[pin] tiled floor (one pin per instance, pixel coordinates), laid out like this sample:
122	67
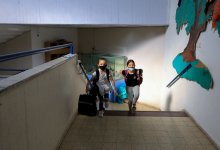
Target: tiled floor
135	133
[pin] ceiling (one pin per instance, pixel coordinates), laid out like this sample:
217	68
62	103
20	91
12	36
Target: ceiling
8	32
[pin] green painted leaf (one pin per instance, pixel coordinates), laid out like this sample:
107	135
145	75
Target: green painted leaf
200	75
185	14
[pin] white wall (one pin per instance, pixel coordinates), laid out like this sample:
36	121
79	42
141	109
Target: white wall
39	35
38	105
20	43
95	12
144	45
202	104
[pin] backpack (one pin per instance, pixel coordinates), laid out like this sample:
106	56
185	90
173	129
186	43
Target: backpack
97	75
137	73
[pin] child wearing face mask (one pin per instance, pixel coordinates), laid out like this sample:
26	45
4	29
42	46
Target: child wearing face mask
133	79
102	78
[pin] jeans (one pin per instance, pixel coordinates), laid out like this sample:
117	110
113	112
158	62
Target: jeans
133	95
101	98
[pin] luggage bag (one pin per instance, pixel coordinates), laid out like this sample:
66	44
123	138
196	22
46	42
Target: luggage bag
87	105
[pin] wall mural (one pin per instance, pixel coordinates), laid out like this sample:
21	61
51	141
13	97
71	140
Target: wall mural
195	15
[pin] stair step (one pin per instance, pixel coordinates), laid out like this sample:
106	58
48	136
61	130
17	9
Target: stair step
147	113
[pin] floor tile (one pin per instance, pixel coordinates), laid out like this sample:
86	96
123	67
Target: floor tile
124	146
137	139
164	140
110	139
94	146
150	140
123	139
153	147
109	146
204	141
96	139
135	133
209	147
166	147
177	140
180	147
138	146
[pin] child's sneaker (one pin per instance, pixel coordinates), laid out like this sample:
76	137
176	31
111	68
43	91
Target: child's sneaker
101	113
134	107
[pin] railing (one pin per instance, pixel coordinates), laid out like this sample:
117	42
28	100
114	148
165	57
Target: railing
8	57
12	56
13	70
179	75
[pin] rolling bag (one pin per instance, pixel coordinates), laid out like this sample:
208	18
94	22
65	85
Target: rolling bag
87	105
87	102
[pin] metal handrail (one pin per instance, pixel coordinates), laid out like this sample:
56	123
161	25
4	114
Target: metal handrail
33	52
16	70
179	75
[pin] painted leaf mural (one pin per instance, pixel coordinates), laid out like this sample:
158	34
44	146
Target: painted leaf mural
197	73
183	18
194	15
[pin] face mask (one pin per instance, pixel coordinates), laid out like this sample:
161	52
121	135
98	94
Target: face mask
131	68
103	67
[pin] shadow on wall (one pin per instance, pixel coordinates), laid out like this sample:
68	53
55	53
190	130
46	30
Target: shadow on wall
166	100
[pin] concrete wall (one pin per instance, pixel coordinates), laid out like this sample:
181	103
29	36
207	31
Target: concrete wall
203	105
20	43
144	45
39	35
95	12
38	105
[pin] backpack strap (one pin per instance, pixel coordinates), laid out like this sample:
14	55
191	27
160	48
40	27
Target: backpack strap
139	76
96	79
107	73
126	73
97	75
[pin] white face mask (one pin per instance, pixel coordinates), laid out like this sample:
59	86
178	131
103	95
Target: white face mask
131	68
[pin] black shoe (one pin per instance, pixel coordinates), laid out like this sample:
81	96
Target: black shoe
134	108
